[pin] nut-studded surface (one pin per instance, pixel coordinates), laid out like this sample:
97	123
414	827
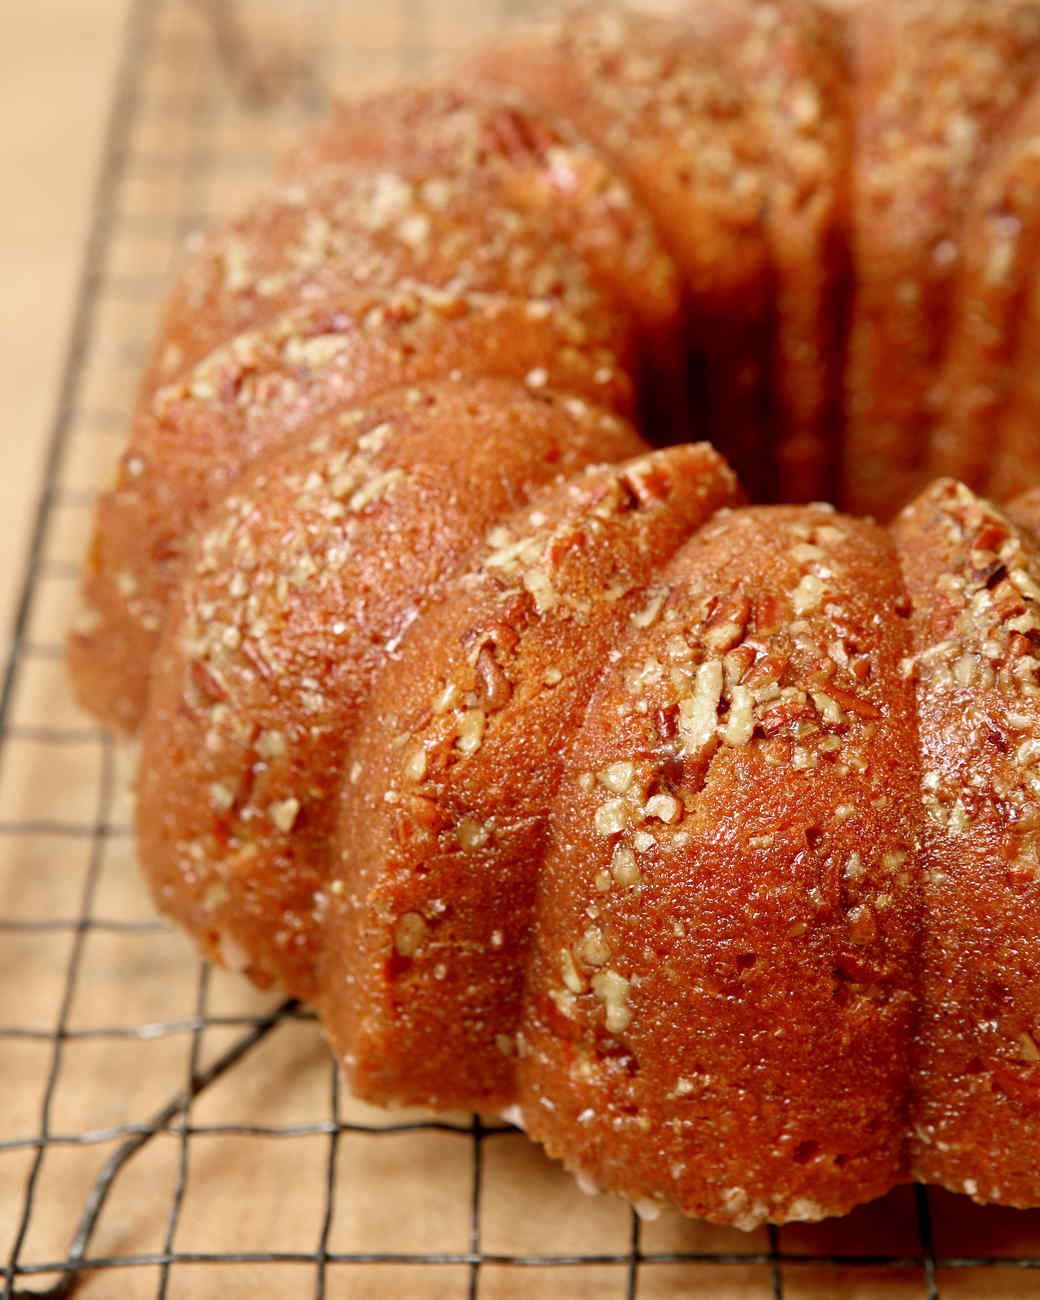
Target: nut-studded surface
369	226
290	604
444	828
823	740
934	88
975	584
722	992
188	446
984	405
530	157
506	146
731	125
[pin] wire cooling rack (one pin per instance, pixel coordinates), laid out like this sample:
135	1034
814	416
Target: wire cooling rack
164	1130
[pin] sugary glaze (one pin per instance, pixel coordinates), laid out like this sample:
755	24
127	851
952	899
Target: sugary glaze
702	838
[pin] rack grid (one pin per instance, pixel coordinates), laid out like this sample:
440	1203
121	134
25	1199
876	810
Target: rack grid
167	1131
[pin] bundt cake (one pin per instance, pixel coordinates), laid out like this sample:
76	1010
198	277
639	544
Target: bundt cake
700	837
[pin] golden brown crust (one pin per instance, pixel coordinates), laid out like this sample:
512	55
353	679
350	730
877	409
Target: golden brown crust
1015	465
796	74
444	828
201	431
730	124
934	86
975	583
534	159
500	143
708	837
726	929
674	126
643	90
366	224
984	393
1024	511
289	605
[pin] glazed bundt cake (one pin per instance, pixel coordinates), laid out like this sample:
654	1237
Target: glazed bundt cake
702	838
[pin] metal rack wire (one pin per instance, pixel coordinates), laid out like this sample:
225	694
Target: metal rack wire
115	1043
